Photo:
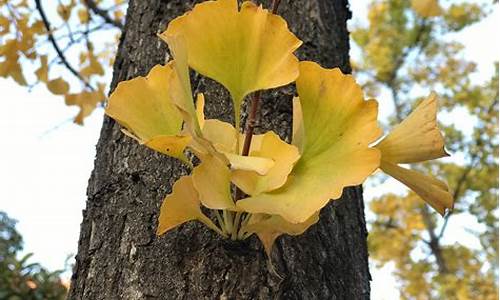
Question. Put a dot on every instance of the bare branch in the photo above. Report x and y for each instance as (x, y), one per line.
(102, 13)
(434, 241)
(56, 46)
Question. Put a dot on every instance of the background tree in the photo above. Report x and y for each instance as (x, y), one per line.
(20, 280)
(404, 54)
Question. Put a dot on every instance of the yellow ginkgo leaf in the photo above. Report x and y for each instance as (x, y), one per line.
(211, 179)
(212, 176)
(58, 86)
(417, 138)
(257, 164)
(38, 27)
(4, 25)
(245, 50)
(427, 8)
(83, 15)
(181, 95)
(222, 136)
(180, 84)
(339, 125)
(171, 145)
(87, 101)
(269, 227)
(143, 105)
(118, 15)
(181, 206)
(42, 73)
(11, 67)
(9, 48)
(64, 11)
(433, 191)
(284, 156)
(93, 67)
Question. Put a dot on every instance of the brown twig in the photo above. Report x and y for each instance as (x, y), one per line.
(251, 122)
(56, 46)
(250, 125)
(102, 13)
(77, 36)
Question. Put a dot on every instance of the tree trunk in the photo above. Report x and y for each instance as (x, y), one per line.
(119, 256)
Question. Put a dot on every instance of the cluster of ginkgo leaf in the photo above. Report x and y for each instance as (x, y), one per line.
(250, 49)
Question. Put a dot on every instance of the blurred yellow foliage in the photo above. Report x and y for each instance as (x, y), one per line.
(25, 30)
(403, 231)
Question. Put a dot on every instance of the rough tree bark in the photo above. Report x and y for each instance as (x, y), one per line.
(119, 256)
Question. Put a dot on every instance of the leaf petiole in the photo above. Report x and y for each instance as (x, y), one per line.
(228, 220)
(220, 221)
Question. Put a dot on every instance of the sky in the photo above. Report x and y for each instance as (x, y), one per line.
(45, 164)
(46, 161)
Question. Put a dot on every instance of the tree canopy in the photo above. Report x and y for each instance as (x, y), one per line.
(404, 53)
(21, 279)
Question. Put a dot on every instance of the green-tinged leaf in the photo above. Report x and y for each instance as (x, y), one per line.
(339, 125)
